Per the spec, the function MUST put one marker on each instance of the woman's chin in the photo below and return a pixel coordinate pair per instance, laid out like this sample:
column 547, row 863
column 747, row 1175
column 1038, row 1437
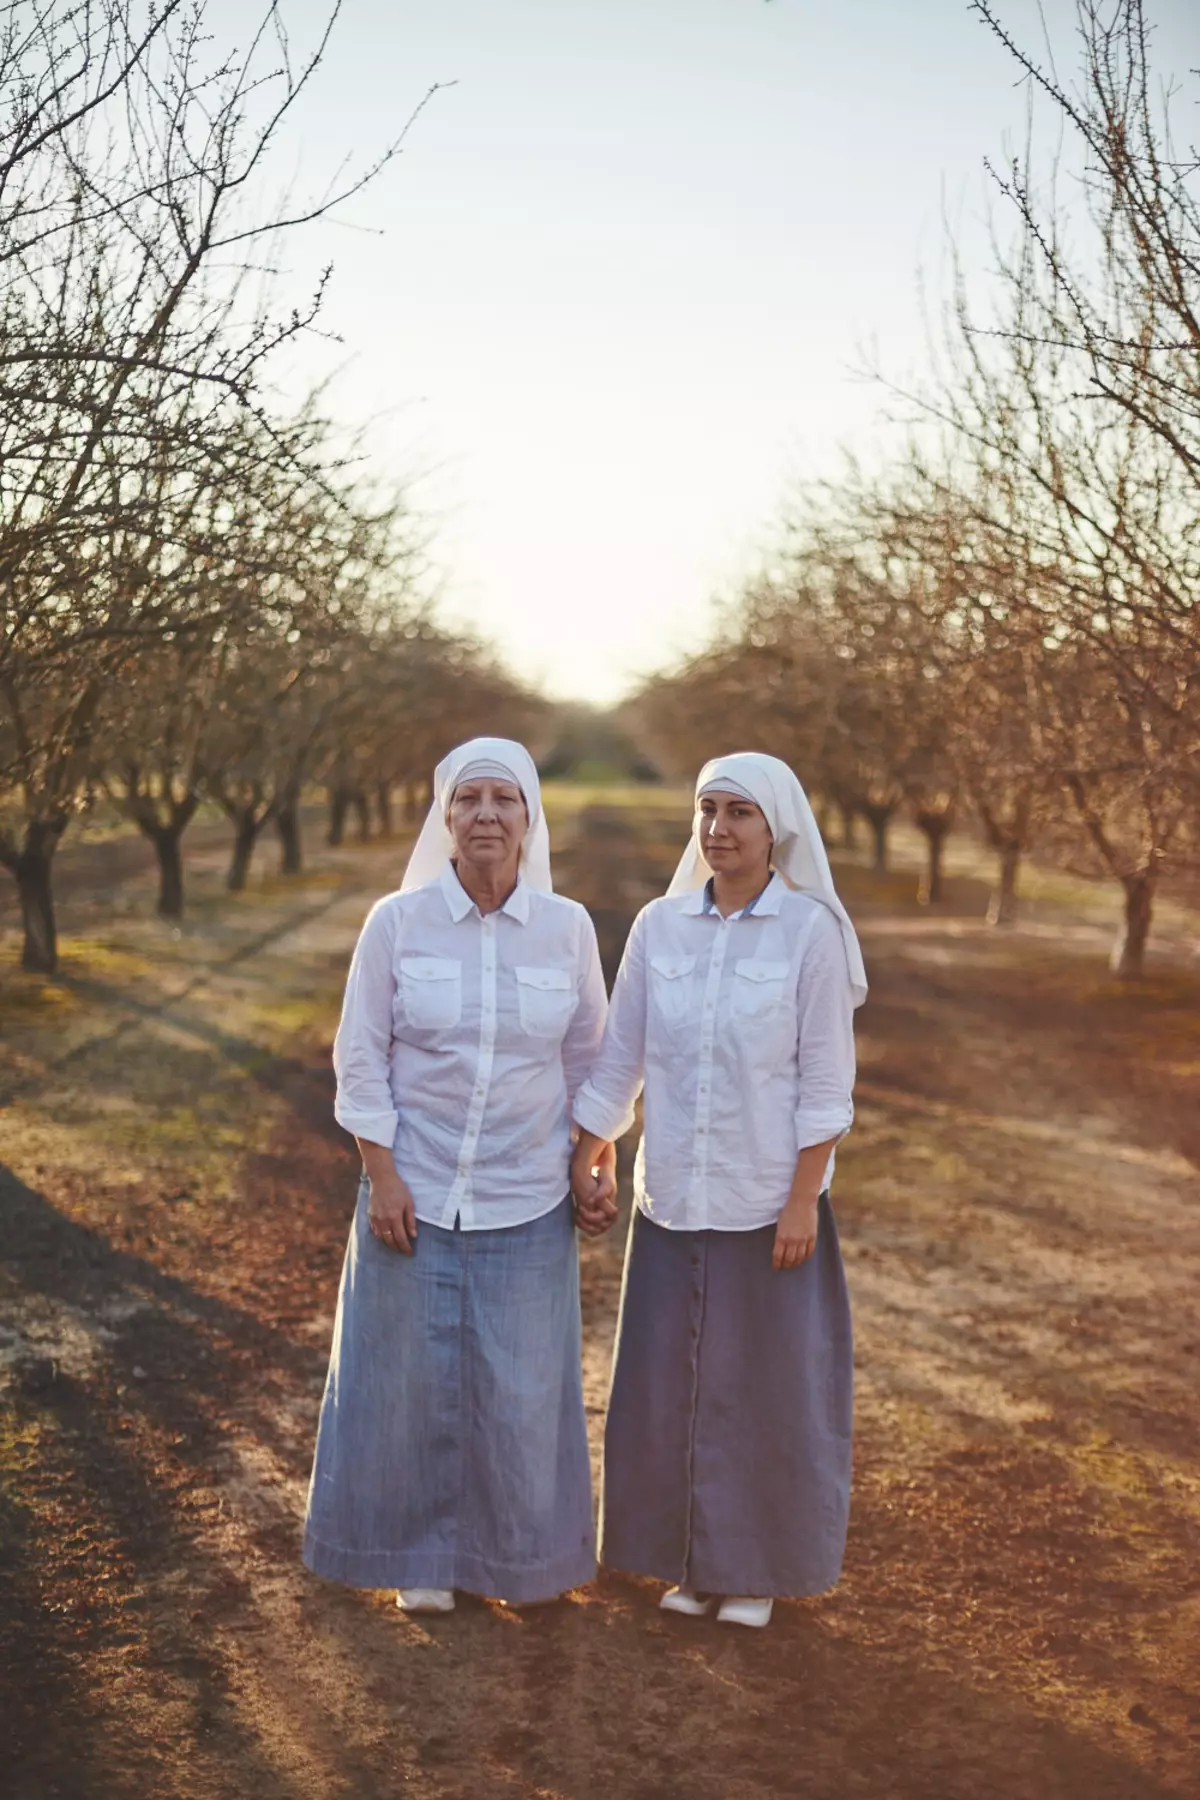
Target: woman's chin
column 488, row 858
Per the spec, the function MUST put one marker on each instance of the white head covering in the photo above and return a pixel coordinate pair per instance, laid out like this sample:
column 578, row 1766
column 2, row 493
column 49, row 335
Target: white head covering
column 501, row 760
column 798, row 853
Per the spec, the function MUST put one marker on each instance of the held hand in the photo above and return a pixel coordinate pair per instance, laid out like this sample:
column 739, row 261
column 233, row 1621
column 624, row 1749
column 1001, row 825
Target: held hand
column 795, row 1233
column 391, row 1212
column 594, row 1187
column 595, row 1216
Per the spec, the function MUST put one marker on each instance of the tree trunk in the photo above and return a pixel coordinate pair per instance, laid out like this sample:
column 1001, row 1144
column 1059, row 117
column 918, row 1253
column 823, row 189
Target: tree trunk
column 848, row 816
column 246, row 830
column 32, row 870
column 339, row 802
column 168, row 847
column 287, row 823
column 1129, row 951
column 362, row 812
column 411, row 804
column 383, row 806
column 1002, row 907
column 935, row 832
column 879, row 818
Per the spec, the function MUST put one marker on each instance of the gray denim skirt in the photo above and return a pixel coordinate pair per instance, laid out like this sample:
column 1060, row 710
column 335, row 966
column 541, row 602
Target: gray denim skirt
column 727, row 1448
column 452, row 1446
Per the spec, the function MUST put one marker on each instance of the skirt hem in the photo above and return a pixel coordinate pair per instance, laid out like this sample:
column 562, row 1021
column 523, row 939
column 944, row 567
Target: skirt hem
column 655, row 1569
column 523, row 1584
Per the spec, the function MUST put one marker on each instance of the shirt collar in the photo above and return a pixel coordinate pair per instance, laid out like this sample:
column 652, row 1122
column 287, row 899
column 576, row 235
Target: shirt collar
column 768, row 901
column 460, row 903
column 517, row 904
column 771, row 898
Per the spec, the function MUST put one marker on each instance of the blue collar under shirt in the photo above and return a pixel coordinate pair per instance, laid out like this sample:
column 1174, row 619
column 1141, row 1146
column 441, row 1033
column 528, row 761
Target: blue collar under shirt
column 745, row 911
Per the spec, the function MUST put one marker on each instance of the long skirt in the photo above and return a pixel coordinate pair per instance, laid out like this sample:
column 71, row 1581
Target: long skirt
column 727, row 1449
column 452, row 1448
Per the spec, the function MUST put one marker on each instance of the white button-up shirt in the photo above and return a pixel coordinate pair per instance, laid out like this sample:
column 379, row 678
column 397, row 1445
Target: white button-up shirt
column 741, row 1030
column 463, row 1038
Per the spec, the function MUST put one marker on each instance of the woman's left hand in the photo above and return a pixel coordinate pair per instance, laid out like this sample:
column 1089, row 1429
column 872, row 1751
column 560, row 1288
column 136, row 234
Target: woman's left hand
column 795, row 1233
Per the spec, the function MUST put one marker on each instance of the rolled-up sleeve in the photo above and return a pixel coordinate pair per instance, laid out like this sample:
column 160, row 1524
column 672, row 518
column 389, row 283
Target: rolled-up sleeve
column 362, row 1047
column 825, row 1108
column 605, row 1103
column 586, row 1029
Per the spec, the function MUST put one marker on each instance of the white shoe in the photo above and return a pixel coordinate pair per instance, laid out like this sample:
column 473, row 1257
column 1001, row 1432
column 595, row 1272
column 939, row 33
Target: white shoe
column 742, row 1609
column 425, row 1600
column 682, row 1600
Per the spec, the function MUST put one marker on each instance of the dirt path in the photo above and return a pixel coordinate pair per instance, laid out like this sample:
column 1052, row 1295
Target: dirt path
column 1020, row 1612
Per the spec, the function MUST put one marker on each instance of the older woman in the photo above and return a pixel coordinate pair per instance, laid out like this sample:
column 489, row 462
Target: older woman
column 727, row 1452
column 452, row 1449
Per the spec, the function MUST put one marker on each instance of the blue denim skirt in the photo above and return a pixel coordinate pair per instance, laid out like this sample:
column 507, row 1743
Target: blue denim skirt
column 727, row 1448
column 452, row 1446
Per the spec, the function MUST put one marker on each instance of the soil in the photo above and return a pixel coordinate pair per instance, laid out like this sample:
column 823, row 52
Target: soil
column 1019, row 1615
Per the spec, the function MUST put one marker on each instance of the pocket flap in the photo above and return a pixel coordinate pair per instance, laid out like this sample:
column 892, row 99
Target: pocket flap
column 544, row 978
column 762, row 971
column 430, row 968
column 672, row 966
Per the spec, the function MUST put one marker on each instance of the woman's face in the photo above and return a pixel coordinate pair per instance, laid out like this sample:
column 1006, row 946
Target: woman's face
column 488, row 821
column 735, row 838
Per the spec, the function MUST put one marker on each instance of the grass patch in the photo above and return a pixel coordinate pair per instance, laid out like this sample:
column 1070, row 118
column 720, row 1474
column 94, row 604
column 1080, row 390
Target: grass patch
column 36, row 998
column 101, row 959
column 298, row 1018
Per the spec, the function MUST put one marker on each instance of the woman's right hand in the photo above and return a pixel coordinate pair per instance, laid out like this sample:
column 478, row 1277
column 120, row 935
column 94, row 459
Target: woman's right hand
column 391, row 1210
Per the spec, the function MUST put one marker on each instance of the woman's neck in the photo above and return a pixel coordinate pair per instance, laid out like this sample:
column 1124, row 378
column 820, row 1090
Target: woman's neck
column 489, row 887
column 732, row 892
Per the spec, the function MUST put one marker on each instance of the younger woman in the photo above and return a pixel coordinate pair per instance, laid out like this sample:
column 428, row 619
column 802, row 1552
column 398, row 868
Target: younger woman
column 727, row 1450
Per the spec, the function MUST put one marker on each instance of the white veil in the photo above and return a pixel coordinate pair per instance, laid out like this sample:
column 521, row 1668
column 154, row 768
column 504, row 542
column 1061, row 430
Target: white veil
column 798, row 853
column 503, row 760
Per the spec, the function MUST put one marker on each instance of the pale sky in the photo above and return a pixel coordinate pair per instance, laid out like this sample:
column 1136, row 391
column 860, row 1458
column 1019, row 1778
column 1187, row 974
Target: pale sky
column 614, row 294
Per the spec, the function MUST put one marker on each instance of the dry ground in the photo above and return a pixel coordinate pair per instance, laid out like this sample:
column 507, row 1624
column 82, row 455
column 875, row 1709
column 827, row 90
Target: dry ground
column 1019, row 1206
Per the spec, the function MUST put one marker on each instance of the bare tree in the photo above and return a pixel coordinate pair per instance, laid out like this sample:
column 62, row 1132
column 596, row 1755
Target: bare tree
column 134, row 333
column 1126, row 308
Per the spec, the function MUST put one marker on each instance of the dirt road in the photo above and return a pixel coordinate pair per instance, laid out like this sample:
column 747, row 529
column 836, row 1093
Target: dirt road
column 1020, row 1211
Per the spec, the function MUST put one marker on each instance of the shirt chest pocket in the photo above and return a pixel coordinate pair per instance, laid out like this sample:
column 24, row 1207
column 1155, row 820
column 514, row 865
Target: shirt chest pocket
column 431, row 991
column 758, row 987
column 671, row 987
column 545, row 1000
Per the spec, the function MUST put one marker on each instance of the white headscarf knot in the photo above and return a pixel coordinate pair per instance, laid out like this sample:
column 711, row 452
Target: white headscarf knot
column 798, row 853
column 499, row 759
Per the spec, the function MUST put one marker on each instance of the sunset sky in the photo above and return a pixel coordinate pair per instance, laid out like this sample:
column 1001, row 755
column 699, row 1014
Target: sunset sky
column 616, row 294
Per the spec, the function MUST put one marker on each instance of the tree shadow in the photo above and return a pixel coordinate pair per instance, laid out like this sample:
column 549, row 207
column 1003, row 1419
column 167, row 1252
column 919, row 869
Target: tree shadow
column 600, row 1697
